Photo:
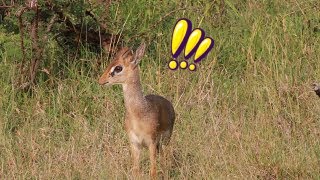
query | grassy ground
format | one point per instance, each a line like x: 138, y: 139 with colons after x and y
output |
x: 247, y: 113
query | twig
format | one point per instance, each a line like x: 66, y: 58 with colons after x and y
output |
x: 5, y: 7
x: 62, y: 16
x: 93, y: 16
x: 50, y: 25
x: 166, y: 15
x: 103, y: 26
x: 107, y: 6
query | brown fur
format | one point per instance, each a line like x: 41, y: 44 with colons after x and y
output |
x: 149, y: 119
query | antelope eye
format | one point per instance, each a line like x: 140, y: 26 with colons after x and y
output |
x: 118, y: 69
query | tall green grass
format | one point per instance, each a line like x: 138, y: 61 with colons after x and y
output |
x: 247, y: 113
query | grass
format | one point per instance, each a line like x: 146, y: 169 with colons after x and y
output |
x: 247, y: 113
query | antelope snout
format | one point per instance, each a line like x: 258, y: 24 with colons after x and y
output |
x: 102, y: 81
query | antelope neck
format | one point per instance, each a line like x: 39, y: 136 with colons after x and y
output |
x: 133, y: 96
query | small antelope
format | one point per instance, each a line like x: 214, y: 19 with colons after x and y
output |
x: 149, y: 119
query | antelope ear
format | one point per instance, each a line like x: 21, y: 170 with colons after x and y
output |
x: 139, y: 54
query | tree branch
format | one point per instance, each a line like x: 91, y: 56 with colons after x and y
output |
x: 21, y: 28
x: 37, y: 51
x: 49, y: 27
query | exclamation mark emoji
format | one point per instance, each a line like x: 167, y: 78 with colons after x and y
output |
x: 204, y: 48
x: 193, y: 43
x: 180, y: 36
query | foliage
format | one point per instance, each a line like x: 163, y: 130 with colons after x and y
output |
x: 65, y: 21
x: 9, y: 46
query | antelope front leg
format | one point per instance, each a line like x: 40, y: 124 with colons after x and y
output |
x: 135, y: 151
x: 153, y: 160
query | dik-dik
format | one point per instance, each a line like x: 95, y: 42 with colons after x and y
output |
x: 149, y: 119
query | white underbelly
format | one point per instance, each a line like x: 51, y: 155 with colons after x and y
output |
x: 139, y: 138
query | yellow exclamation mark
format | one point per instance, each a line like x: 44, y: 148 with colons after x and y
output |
x: 203, y: 49
x: 192, y: 44
x: 179, y: 37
